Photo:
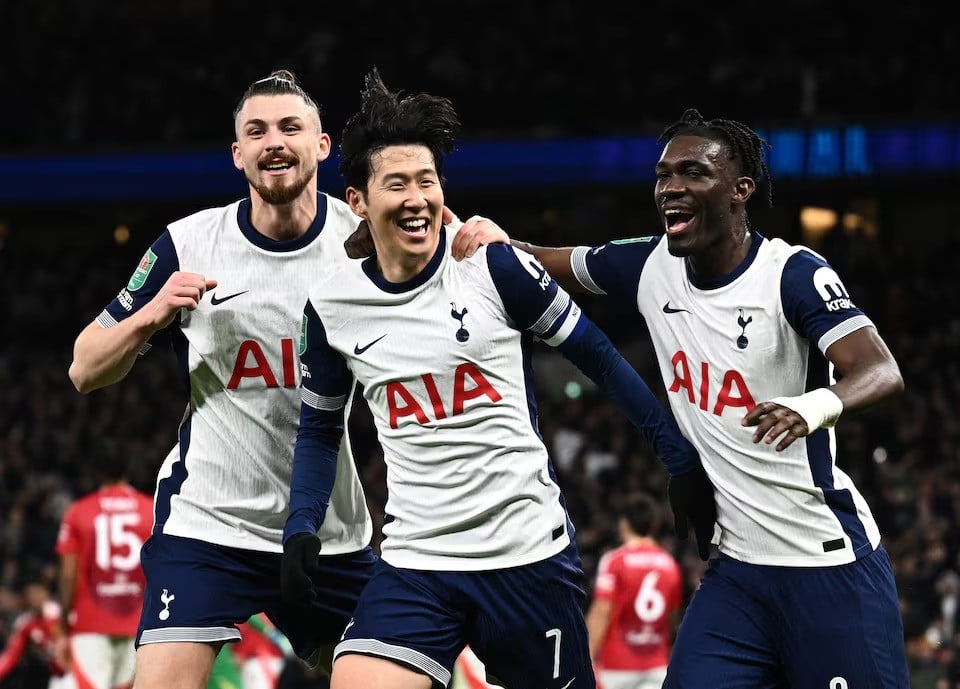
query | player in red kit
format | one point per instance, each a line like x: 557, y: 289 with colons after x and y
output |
x: 101, y: 581
x: 36, y: 627
x: 637, y: 599
x: 261, y: 652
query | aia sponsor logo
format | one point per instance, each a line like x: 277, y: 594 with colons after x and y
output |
x: 251, y: 362
x: 422, y: 400
x: 708, y: 388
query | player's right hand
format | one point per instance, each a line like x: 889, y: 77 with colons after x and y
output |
x: 693, y: 504
x: 477, y: 231
x: 181, y: 291
x: 299, y: 564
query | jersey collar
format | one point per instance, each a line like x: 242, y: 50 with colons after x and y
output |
x: 370, y: 268
x: 267, y: 244
x: 723, y: 280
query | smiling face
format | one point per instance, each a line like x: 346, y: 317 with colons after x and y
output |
x: 402, y: 204
x: 700, y: 196
x: 279, y: 145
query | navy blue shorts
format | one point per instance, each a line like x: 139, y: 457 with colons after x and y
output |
x: 765, y: 627
x: 525, y: 623
x: 199, y: 591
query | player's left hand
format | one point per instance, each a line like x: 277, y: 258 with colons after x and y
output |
x: 774, y: 420
x: 476, y: 232
x: 298, y: 566
x: 693, y: 504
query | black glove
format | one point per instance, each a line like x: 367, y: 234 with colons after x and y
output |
x: 691, y: 498
x: 299, y: 563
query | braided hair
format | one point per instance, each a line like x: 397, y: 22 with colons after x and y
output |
x: 745, y: 144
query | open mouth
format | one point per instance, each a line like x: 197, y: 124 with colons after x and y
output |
x: 277, y: 167
x: 677, y: 220
x: 416, y: 227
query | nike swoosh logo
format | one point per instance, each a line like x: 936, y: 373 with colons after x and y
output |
x: 217, y: 302
x: 357, y: 349
x: 669, y: 309
x: 568, y: 683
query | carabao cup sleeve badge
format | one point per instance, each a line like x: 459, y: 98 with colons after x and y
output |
x: 143, y: 270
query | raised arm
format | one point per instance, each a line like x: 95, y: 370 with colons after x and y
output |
x: 478, y: 231
x: 534, y: 301
x: 557, y: 262
x: 816, y: 305
x: 106, y: 349
x: 869, y: 375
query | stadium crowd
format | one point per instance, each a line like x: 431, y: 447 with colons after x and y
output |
x: 534, y: 68
x: 905, y: 457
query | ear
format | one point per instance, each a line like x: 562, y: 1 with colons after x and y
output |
x: 743, y: 189
x: 237, y: 159
x: 323, y: 147
x: 355, y: 200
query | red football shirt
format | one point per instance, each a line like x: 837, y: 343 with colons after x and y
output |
x: 105, y: 530
x: 644, y: 584
x: 31, y: 630
x: 254, y: 644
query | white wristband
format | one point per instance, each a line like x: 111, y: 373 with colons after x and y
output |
x: 819, y: 408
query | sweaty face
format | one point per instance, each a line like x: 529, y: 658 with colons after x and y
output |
x: 694, y: 191
x: 403, y: 205
x: 278, y: 146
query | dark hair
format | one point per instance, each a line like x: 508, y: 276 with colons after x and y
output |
x: 642, y: 514
x: 389, y: 118
x: 281, y: 82
x: 745, y: 144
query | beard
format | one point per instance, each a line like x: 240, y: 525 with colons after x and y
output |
x: 283, y: 193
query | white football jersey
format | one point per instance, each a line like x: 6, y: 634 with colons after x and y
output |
x: 723, y: 347
x: 227, y: 479
x: 444, y: 361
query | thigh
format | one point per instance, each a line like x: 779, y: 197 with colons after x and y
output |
x: 529, y: 630
x: 91, y: 659
x: 409, y: 618
x: 355, y: 671
x: 846, y: 628
x: 728, y: 635
x: 338, y: 585
x: 185, y: 665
